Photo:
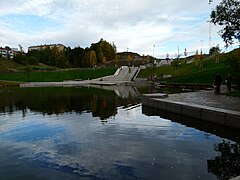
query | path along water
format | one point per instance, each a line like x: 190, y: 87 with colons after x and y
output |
x: 202, y: 105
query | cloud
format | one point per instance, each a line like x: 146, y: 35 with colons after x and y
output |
x: 136, y: 25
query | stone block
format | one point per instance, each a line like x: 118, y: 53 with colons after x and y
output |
x: 213, y: 116
x: 192, y: 111
x: 162, y: 105
x: 145, y: 100
x: 152, y: 103
x: 174, y: 107
x: 233, y: 121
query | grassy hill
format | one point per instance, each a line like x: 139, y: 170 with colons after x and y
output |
x: 12, y: 73
x: 191, y: 73
x: 8, y: 65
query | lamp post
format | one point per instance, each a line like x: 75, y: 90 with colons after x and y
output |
x: 153, y: 49
x: 201, y: 44
x: 210, y: 28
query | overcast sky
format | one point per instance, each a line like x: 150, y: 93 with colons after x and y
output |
x: 136, y: 25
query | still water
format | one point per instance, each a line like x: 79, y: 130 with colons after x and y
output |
x: 86, y: 133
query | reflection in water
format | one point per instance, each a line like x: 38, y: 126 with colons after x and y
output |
x: 59, y: 133
x: 50, y: 101
x: 207, y: 127
x: 226, y: 165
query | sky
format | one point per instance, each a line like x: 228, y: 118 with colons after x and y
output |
x: 148, y: 27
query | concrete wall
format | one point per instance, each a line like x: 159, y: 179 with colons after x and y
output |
x: 228, y: 118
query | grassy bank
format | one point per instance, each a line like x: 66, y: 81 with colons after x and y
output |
x: 190, y: 73
x: 55, y: 76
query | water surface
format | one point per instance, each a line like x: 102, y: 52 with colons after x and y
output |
x: 85, y: 133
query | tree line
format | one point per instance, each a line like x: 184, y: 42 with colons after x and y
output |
x: 97, y: 54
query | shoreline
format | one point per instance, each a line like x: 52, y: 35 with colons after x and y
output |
x: 217, y: 109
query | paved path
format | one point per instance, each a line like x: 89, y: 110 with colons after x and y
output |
x: 203, y: 105
x: 208, y: 98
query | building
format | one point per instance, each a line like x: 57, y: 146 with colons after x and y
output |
x: 163, y: 62
x: 60, y: 47
x: 8, y: 52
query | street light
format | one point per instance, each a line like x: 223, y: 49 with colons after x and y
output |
x: 153, y: 49
x: 210, y: 28
x: 201, y: 43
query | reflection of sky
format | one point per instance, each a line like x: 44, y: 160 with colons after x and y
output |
x: 131, y: 145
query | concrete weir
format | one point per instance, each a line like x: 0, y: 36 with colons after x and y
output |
x: 228, y: 118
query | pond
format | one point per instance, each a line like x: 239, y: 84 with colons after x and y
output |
x: 87, y: 133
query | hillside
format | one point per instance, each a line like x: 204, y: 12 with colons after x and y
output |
x: 8, y: 65
x: 191, y: 73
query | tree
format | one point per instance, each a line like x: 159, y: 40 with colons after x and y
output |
x: 32, y: 60
x: 185, y: 54
x: 76, y: 56
x: 93, y: 58
x: 104, y: 49
x: 7, y: 48
x: 104, y: 61
x: 20, y: 58
x: 167, y: 56
x: 116, y: 61
x: 227, y: 14
x: 129, y: 59
x: 176, y: 65
x: 54, y: 53
x: 21, y: 48
x: 227, y: 163
x: 201, y: 59
x: 114, y: 47
x: 215, y: 51
x: 86, y: 60
x: 197, y: 58
x: 99, y: 54
x: 61, y: 60
x: 45, y: 55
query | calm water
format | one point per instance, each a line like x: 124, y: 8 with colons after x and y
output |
x: 84, y: 133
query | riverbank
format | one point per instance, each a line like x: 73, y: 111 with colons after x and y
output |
x: 204, y: 105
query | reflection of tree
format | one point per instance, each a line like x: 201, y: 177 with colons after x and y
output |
x: 227, y: 164
x: 104, y: 107
x: 50, y: 101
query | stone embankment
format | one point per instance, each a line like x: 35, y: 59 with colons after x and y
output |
x: 203, y: 105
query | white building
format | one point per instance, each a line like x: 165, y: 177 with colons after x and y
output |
x: 7, y: 52
x: 162, y: 62
x: 60, y: 47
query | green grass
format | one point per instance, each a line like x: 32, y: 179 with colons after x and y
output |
x: 56, y: 76
x: 190, y: 73
x: 38, y: 68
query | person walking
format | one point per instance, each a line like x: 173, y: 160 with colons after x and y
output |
x: 228, y: 80
x: 217, y: 83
